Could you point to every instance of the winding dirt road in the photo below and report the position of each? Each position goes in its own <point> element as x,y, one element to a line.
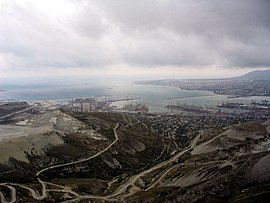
<point>44,191</point>
<point>125,190</point>
<point>12,194</point>
<point>122,191</point>
<point>17,112</point>
<point>86,159</point>
<point>132,180</point>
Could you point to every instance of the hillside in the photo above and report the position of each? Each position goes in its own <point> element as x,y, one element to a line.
<point>78,149</point>
<point>233,166</point>
<point>113,157</point>
<point>255,83</point>
<point>256,75</point>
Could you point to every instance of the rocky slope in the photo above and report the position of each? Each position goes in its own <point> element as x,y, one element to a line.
<point>59,137</point>
<point>10,107</point>
<point>233,166</point>
<point>112,157</point>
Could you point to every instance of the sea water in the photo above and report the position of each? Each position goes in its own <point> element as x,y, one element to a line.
<point>156,97</point>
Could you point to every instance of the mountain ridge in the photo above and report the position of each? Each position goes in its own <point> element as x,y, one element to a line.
<point>256,75</point>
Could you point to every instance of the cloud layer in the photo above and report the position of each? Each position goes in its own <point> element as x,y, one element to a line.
<point>143,33</point>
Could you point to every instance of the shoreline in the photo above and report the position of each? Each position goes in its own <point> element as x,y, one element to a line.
<point>154,97</point>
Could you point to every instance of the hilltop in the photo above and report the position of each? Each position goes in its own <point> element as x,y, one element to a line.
<point>255,83</point>
<point>256,75</point>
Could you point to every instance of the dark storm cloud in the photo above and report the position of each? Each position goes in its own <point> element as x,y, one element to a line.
<point>194,32</point>
<point>145,33</point>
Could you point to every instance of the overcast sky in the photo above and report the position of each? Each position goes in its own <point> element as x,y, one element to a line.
<point>134,38</point>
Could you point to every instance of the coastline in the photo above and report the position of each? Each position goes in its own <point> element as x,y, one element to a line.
<point>155,96</point>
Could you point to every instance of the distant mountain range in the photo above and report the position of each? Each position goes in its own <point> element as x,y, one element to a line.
<point>256,75</point>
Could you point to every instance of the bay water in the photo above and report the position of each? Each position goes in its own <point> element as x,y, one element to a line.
<point>156,97</point>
